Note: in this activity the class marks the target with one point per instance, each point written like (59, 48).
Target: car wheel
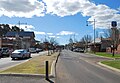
(8, 55)
(29, 56)
(23, 56)
(13, 58)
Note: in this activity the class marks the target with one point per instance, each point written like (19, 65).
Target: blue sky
(60, 19)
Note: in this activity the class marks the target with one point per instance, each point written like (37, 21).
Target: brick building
(18, 40)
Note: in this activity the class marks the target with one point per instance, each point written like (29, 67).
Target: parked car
(78, 50)
(38, 50)
(32, 50)
(5, 52)
(0, 52)
(20, 53)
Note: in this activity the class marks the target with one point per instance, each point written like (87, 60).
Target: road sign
(114, 24)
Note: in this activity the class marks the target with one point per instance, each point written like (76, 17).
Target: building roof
(97, 40)
(21, 34)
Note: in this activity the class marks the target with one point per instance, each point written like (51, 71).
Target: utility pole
(17, 36)
(94, 31)
(19, 23)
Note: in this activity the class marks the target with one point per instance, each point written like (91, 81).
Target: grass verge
(35, 65)
(114, 63)
(107, 55)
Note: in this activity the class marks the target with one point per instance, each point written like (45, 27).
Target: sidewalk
(23, 79)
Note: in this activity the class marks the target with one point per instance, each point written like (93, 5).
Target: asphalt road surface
(82, 68)
(8, 62)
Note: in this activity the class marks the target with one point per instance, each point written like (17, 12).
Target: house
(15, 40)
(100, 44)
(104, 45)
(117, 49)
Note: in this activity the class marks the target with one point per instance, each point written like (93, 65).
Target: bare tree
(113, 34)
(85, 40)
(53, 41)
(107, 33)
(71, 41)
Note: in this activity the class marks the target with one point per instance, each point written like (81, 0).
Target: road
(82, 68)
(8, 62)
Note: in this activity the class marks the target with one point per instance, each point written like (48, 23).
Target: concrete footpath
(19, 79)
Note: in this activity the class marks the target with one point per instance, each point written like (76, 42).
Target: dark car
(5, 52)
(0, 52)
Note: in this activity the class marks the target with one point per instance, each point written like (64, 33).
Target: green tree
(4, 28)
(15, 28)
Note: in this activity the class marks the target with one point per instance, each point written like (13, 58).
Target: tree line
(4, 28)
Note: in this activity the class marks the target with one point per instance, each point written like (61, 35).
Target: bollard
(47, 70)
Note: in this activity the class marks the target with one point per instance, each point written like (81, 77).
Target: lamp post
(87, 23)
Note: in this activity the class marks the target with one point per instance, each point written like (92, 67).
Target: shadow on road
(20, 59)
(50, 81)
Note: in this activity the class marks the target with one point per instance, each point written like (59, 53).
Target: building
(105, 45)
(18, 40)
(100, 44)
(117, 49)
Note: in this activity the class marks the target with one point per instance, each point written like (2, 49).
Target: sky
(60, 19)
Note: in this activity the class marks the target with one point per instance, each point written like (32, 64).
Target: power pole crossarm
(19, 23)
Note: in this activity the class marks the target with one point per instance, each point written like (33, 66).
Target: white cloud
(28, 8)
(102, 13)
(65, 33)
(52, 36)
(50, 33)
(21, 8)
(57, 37)
(101, 32)
(25, 27)
(40, 33)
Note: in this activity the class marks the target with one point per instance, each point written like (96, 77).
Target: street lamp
(87, 23)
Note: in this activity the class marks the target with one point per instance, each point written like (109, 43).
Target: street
(8, 62)
(82, 68)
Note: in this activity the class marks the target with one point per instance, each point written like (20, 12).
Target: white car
(32, 50)
(20, 53)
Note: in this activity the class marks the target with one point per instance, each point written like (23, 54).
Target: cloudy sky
(60, 19)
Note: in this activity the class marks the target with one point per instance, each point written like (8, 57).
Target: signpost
(115, 36)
